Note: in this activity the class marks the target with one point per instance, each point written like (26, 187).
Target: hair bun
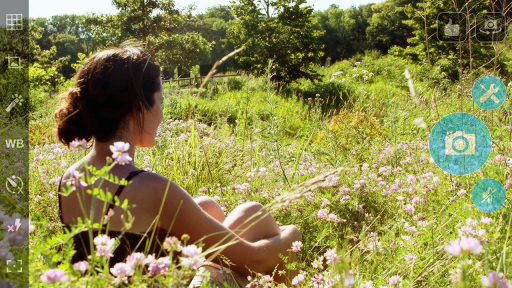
(71, 123)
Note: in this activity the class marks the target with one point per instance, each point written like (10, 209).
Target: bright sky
(48, 8)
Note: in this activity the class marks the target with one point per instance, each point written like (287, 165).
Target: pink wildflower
(192, 259)
(409, 209)
(486, 220)
(135, 259)
(82, 266)
(157, 266)
(494, 279)
(297, 280)
(333, 218)
(122, 270)
(78, 144)
(191, 251)
(411, 179)
(296, 246)
(412, 229)
(54, 276)
(410, 257)
(395, 281)
(109, 215)
(465, 245)
(119, 152)
(318, 263)
(104, 245)
(173, 243)
(322, 214)
(325, 202)
(331, 256)
(317, 281)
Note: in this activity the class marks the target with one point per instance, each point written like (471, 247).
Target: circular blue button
(460, 143)
(489, 92)
(489, 195)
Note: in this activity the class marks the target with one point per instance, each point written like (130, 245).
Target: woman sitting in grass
(118, 98)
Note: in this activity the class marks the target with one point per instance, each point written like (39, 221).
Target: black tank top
(129, 241)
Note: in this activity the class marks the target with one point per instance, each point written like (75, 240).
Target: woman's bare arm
(261, 256)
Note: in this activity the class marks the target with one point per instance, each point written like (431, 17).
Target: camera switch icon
(490, 27)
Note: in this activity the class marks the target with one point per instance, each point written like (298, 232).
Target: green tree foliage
(101, 31)
(386, 26)
(141, 19)
(220, 12)
(46, 72)
(154, 22)
(451, 58)
(179, 49)
(345, 31)
(213, 26)
(281, 30)
(66, 33)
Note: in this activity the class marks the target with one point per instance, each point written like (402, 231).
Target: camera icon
(491, 25)
(459, 143)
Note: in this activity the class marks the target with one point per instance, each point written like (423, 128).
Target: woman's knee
(211, 207)
(250, 208)
(254, 219)
(249, 211)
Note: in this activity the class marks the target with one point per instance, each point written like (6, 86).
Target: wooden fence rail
(197, 80)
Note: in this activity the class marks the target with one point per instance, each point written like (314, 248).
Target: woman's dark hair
(110, 86)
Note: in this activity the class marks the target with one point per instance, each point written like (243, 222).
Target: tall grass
(395, 210)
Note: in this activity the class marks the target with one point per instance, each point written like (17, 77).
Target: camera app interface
(255, 143)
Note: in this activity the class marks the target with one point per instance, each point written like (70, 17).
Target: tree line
(289, 32)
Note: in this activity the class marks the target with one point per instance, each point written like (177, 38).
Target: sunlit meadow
(392, 218)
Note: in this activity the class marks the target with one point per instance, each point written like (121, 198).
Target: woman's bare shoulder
(156, 184)
(150, 180)
(75, 167)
